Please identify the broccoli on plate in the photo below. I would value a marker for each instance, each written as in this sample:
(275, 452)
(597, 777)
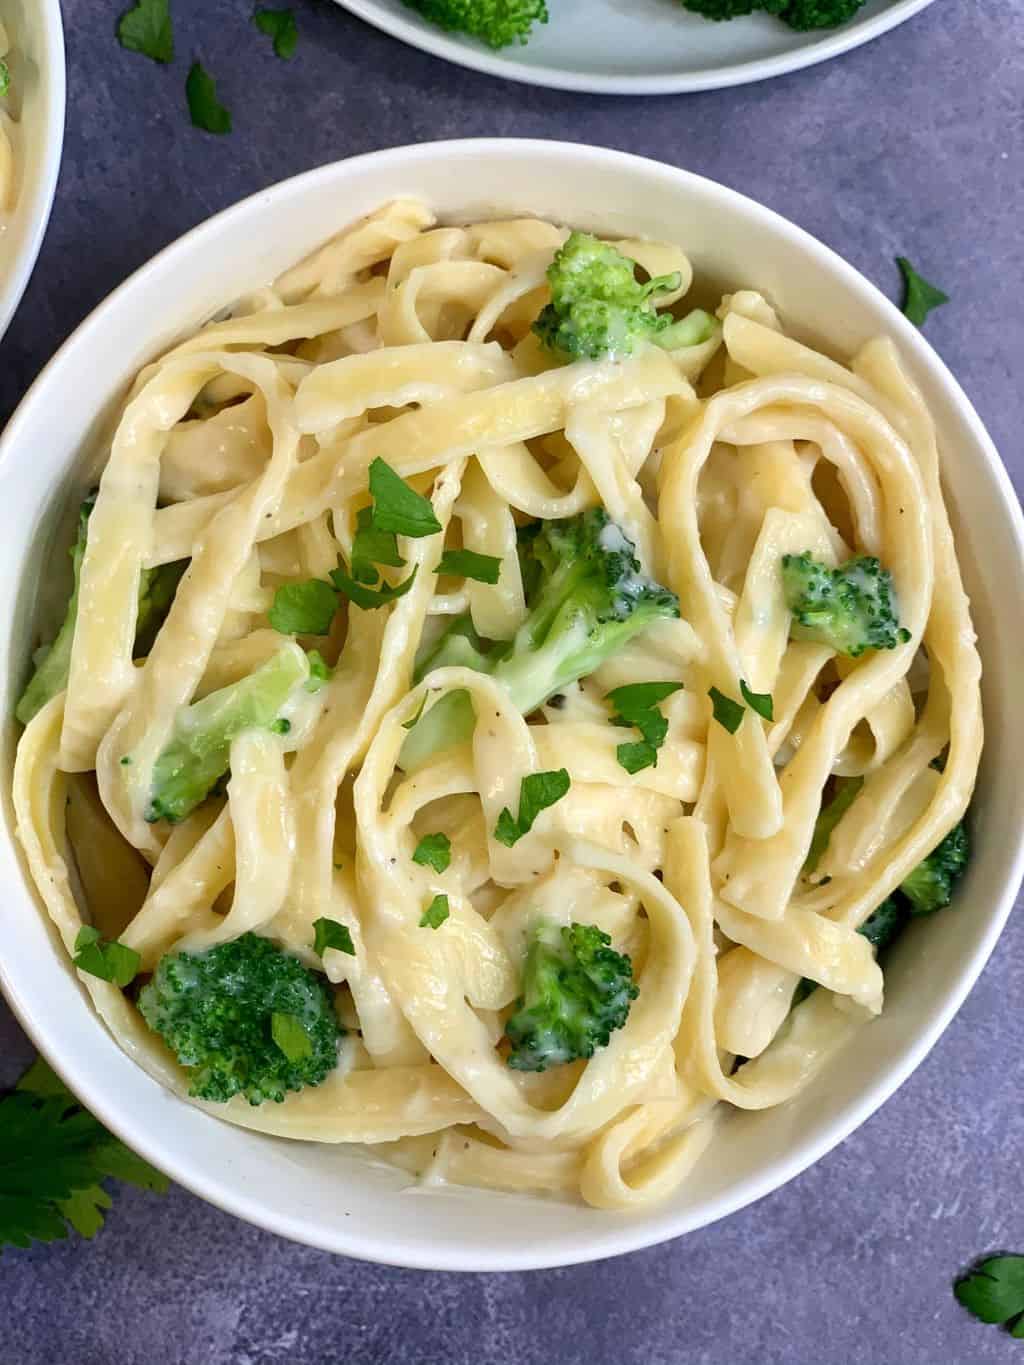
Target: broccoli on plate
(599, 309)
(802, 15)
(243, 1018)
(589, 598)
(576, 991)
(498, 23)
(851, 609)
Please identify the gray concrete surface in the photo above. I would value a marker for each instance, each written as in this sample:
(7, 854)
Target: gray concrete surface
(911, 145)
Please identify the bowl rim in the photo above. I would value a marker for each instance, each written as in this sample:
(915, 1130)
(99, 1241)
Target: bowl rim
(654, 1226)
(476, 57)
(33, 211)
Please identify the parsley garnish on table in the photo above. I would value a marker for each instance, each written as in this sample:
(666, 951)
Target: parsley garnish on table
(54, 1158)
(278, 24)
(146, 28)
(919, 297)
(994, 1292)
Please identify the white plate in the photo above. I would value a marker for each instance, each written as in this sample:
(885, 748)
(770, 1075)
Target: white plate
(334, 1198)
(641, 47)
(37, 79)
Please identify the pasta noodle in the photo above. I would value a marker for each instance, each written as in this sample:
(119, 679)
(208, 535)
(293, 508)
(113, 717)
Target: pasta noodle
(247, 451)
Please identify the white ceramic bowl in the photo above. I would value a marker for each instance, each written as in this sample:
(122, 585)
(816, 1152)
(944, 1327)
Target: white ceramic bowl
(37, 68)
(641, 47)
(329, 1197)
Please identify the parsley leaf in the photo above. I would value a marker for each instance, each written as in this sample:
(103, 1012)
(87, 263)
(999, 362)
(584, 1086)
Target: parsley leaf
(146, 28)
(468, 564)
(434, 850)
(635, 757)
(919, 297)
(304, 608)
(53, 1154)
(435, 914)
(761, 702)
(371, 546)
(537, 792)
(109, 961)
(994, 1291)
(330, 934)
(205, 109)
(370, 598)
(636, 704)
(397, 507)
(5, 79)
(728, 713)
(290, 1036)
(280, 25)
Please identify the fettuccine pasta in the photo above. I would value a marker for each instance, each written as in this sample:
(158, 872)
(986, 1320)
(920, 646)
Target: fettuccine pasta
(245, 455)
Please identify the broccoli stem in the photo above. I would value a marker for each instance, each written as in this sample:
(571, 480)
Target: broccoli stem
(53, 662)
(591, 599)
(198, 754)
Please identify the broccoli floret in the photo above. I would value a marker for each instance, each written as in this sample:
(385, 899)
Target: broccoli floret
(53, 662)
(198, 754)
(930, 886)
(851, 609)
(498, 23)
(804, 15)
(599, 309)
(244, 1018)
(590, 598)
(798, 14)
(884, 925)
(576, 992)
(732, 9)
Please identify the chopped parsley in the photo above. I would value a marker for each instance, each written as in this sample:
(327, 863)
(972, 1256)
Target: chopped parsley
(636, 704)
(434, 850)
(761, 702)
(278, 24)
(146, 28)
(205, 109)
(919, 297)
(304, 608)
(328, 933)
(537, 792)
(372, 546)
(290, 1036)
(5, 79)
(435, 914)
(728, 713)
(397, 507)
(468, 564)
(370, 598)
(281, 726)
(110, 961)
(994, 1292)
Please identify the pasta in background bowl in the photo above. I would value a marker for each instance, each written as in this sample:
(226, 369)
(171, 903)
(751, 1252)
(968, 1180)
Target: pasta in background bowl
(728, 856)
(31, 138)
